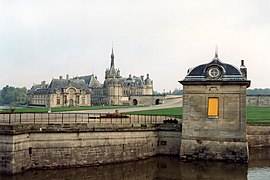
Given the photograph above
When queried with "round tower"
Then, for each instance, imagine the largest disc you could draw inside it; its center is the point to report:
(148, 90)
(115, 92)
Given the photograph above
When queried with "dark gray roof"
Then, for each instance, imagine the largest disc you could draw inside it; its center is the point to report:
(42, 91)
(201, 69)
(229, 73)
(39, 89)
(91, 81)
(59, 84)
(148, 81)
(137, 81)
(86, 78)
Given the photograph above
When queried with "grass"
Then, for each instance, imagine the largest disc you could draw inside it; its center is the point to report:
(255, 115)
(258, 115)
(176, 112)
(61, 109)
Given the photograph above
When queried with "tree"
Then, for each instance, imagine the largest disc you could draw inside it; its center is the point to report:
(13, 96)
(177, 91)
(259, 91)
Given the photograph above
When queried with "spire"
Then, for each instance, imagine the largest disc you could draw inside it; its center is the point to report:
(216, 52)
(112, 58)
(112, 70)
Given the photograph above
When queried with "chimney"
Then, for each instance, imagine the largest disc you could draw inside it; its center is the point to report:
(67, 76)
(43, 84)
(60, 77)
(142, 77)
(243, 69)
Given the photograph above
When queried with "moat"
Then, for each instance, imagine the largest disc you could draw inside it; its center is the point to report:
(162, 167)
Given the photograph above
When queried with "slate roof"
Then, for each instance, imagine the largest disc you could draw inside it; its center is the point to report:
(39, 89)
(58, 84)
(91, 81)
(136, 80)
(229, 72)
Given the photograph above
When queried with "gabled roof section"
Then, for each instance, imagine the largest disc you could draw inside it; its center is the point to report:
(59, 84)
(39, 88)
(91, 81)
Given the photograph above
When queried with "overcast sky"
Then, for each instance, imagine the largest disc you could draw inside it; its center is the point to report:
(43, 39)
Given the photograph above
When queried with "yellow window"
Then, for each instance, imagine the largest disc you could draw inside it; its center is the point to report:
(213, 106)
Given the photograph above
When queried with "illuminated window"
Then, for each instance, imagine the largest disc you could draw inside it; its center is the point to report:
(213, 107)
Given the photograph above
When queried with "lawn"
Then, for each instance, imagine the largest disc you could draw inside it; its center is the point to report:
(255, 115)
(258, 115)
(61, 109)
(176, 112)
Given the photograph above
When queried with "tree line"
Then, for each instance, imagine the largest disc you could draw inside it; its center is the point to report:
(13, 96)
(256, 91)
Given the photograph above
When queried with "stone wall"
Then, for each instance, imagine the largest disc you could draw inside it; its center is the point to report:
(214, 138)
(258, 100)
(169, 140)
(58, 146)
(146, 99)
(258, 136)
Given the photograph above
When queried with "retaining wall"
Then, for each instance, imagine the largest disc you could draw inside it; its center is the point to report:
(25, 147)
(258, 136)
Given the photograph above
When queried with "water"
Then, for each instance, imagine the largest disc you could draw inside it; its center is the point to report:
(4, 107)
(160, 168)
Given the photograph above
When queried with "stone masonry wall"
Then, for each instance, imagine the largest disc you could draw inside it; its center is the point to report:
(258, 100)
(222, 137)
(258, 136)
(60, 146)
(169, 140)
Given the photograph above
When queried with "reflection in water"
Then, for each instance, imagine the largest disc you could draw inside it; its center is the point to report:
(162, 167)
(259, 165)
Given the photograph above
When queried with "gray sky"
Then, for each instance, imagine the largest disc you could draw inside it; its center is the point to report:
(43, 39)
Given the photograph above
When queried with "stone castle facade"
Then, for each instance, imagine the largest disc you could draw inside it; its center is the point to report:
(87, 90)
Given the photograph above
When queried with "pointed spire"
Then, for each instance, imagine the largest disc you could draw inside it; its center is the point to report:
(216, 52)
(112, 70)
(112, 58)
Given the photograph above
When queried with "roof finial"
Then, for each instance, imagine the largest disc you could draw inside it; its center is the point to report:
(216, 52)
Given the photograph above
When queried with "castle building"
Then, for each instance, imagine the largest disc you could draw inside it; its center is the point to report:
(87, 90)
(214, 112)
(60, 92)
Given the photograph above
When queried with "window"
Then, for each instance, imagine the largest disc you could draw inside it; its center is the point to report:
(213, 107)
(65, 99)
(78, 99)
(83, 101)
(58, 101)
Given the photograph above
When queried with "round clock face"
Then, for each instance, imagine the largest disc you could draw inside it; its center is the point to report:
(214, 72)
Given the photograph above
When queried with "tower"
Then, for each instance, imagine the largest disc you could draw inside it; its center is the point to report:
(148, 86)
(214, 113)
(112, 84)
